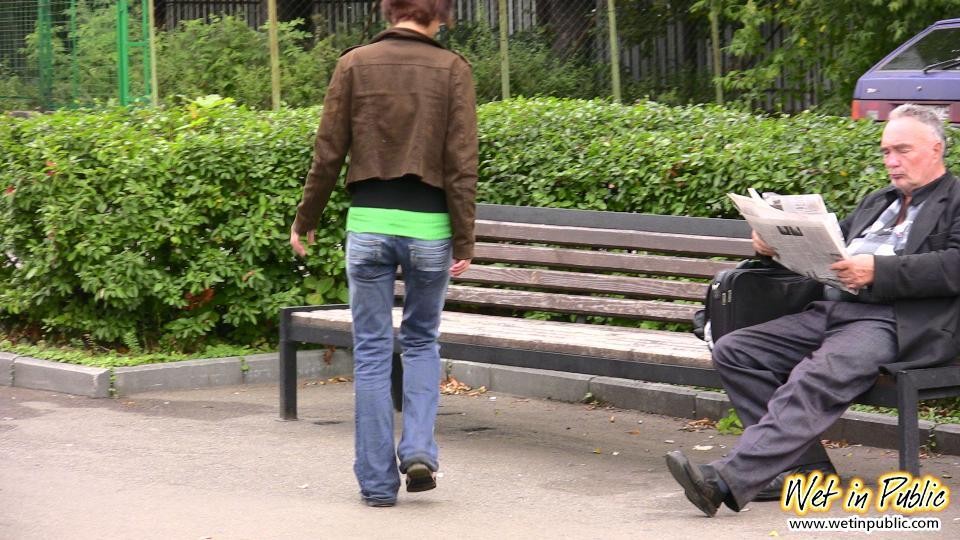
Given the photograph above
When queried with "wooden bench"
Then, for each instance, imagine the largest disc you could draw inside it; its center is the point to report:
(577, 267)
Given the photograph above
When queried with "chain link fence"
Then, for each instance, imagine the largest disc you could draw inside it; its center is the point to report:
(63, 53)
(68, 53)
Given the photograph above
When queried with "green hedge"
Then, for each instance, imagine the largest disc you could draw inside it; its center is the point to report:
(168, 226)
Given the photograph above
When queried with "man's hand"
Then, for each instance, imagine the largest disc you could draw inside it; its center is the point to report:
(459, 266)
(760, 246)
(855, 272)
(297, 245)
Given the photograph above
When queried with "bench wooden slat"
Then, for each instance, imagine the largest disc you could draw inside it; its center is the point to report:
(584, 282)
(628, 221)
(568, 303)
(599, 260)
(601, 341)
(610, 238)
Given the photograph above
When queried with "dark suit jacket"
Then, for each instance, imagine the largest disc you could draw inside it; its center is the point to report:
(922, 284)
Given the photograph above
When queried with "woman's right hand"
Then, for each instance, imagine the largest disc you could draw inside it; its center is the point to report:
(297, 245)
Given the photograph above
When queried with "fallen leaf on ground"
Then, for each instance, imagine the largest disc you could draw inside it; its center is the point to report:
(634, 432)
(699, 425)
(597, 451)
(452, 386)
(834, 444)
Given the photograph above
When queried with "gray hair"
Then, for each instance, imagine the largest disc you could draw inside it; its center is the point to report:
(929, 116)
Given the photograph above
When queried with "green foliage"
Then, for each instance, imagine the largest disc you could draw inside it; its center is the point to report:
(671, 160)
(112, 359)
(938, 411)
(842, 39)
(85, 62)
(226, 56)
(170, 227)
(730, 424)
(535, 70)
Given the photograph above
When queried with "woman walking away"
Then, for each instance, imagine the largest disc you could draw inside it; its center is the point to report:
(404, 108)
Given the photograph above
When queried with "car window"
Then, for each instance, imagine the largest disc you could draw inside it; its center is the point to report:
(937, 46)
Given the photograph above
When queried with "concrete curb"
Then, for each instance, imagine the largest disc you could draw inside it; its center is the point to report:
(252, 369)
(855, 427)
(264, 368)
(27, 372)
(178, 375)
(869, 429)
(6, 368)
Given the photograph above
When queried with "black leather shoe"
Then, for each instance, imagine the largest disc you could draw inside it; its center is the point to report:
(704, 493)
(420, 478)
(774, 490)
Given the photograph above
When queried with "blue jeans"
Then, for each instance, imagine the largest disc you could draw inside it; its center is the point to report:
(372, 260)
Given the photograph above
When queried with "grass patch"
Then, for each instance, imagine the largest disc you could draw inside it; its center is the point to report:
(938, 411)
(111, 359)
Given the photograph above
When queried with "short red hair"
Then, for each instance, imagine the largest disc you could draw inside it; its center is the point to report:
(420, 11)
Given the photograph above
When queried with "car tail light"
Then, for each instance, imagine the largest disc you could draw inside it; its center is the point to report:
(870, 109)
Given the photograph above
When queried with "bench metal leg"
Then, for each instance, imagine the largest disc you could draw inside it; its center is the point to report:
(908, 424)
(288, 380)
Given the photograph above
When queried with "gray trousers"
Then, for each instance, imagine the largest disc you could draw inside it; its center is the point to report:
(791, 378)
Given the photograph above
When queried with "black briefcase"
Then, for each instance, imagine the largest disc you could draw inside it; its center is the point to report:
(754, 292)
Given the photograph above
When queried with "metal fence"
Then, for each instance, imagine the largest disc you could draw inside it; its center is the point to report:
(61, 53)
(68, 53)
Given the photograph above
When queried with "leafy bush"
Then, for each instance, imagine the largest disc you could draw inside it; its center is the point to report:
(168, 224)
(670, 160)
(226, 56)
(534, 69)
(141, 226)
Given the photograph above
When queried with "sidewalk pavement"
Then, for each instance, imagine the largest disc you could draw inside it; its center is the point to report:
(215, 463)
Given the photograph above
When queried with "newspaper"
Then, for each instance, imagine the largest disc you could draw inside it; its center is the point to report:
(806, 237)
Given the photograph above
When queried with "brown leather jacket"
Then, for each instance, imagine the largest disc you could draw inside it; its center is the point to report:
(400, 105)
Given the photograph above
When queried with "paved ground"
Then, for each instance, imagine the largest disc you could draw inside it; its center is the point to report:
(214, 464)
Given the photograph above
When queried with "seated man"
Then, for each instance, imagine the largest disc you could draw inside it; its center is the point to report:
(791, 378)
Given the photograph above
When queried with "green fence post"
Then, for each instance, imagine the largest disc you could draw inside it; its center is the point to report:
(45, 54)
(504, 50)
(614, 50)
(123, 53)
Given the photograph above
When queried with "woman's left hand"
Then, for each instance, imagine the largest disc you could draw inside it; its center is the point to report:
(459, 266)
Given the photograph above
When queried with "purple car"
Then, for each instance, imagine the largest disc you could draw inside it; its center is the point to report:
(924, 70)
